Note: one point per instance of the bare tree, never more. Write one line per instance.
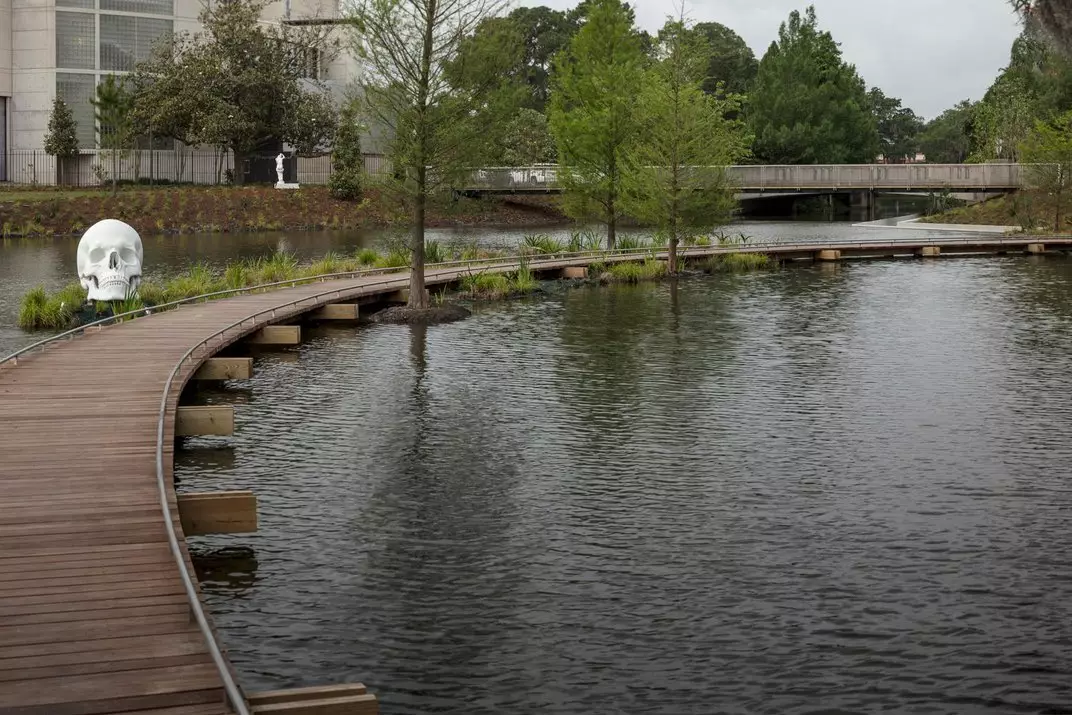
(410, 52)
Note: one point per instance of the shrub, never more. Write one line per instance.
(367, 256)
(486, 285)
(347, 162)
(632, 272)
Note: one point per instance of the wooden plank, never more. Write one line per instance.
(336, 311)
(228, 368)
(218, 513)
(317, 692)
(345, 705)
(276, 335)
(204, 420)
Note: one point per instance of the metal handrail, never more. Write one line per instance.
(234, 695)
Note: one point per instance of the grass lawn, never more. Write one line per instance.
(11, 195)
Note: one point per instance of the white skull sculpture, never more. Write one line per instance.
(109, 260)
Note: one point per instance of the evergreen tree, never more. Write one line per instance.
(113, 106)
(946, 139)
(347, 161)
(677, 181)
(61, 141)
(731, 63)
(807, 105)
(593, 112)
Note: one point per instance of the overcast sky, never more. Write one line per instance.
(930, 53)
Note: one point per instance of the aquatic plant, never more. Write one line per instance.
(584, 240)
(41, 311)
(738, 262)
(486, 285)
(631, 241)
(523, 280)
(367, 256)
(435, 252)
(542, 243)
(634, 272)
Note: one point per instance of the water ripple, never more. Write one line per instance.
(824, 490)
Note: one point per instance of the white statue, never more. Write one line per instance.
(109, 260)
(279, 167)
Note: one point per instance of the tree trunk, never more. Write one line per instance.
(671, 263)
(612, 227)
(238, 172)
(418, 298)
(115, 172)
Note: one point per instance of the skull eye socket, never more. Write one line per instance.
(97, 255)
(128, 255)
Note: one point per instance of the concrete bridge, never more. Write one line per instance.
(812, 179)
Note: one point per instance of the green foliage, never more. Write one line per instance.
(238, 275)
(435, 252)
(898, 127)
(731, 64)
(236, 84)
(397, 257)
(677, 182)
(62, 138)
(807, 105)
(527, 140)
(631, 242)
(279, 266)
(199, 280)
(367, 256)
(153, 294)
(486, 285)
(1002, 121)
(583, 240)
(347, 162)
(524, 281)
(113, 107)
(1053, 17)
(738, 262)
(1047, 153)
(542, 243)
(593, 114)
(40, 311)
(632, 272)
(946, 139)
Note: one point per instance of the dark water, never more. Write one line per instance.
(51, 262)
(834, 489)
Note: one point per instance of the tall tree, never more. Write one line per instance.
(1047, 153)
(593, 112)
(677, 180)
(113, 107)
(409, 48)
(946, 139)
(807, 105)
(1002, 121)
(898, 127)
(238, 84)
(61, 140)
(544, 33)
(347, 161)
(527, 140)
(731, 63)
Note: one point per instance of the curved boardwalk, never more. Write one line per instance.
(93, 615)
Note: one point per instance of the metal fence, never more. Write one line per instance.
(153, 166)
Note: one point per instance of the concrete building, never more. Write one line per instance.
(62, 48)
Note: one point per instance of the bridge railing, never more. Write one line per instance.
(922, 177)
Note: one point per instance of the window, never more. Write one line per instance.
(77, 90)
(76, 40)
(128, 40)
(305, 61)
(149, 7)
(85, 4)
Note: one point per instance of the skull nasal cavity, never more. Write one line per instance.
(113, 260)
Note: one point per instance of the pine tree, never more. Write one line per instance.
(113, 105)
(347, 161)
(61, 141)
(593, 112)
(807, 105)
(677, 181)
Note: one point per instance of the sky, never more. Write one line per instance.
(929, 53)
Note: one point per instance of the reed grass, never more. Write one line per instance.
(738, 263)
(634, 272)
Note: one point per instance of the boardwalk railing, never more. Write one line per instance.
(910, 177)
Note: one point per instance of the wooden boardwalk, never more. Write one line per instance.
(93, 613)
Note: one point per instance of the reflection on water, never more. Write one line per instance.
(803, 491)
(231, 570)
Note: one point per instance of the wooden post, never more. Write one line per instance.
(1036, 248)
(236, 368)
(214, 420)
(575, 272)
(218, 513)
(929, 251)
(276, 335)
(336, 311)
(828, 255)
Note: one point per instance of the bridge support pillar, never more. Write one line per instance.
(863, 204)
(828, 255)
(1036, 248)
(574, 272)
(929, 251)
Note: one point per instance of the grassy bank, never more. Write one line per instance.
(37, 211)
(67, 307)
(1030, 210)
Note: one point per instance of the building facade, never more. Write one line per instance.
(63, 48)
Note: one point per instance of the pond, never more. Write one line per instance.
(839, 488)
